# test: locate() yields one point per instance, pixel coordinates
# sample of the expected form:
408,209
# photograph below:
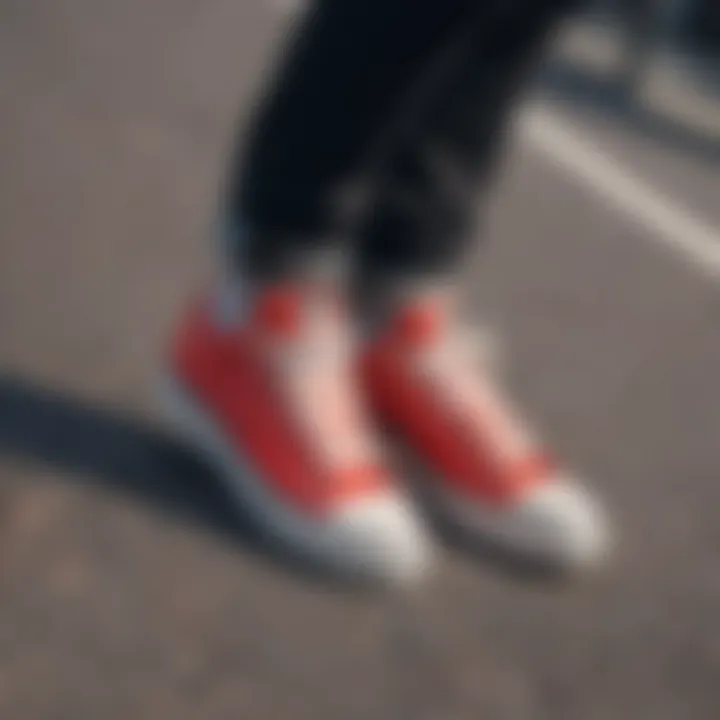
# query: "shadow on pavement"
122,454
567,83
138,460
128,457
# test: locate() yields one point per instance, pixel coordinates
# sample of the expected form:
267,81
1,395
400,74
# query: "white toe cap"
380,538
565,524
558,522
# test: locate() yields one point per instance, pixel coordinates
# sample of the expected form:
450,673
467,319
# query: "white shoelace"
318,378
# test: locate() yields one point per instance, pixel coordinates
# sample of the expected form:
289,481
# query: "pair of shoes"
285,397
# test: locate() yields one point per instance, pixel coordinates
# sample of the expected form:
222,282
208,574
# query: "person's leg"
490,474
426,207
348,70
266,368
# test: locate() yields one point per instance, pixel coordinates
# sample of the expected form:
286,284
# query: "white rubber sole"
378,539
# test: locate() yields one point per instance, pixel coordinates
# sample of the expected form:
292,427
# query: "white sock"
230,295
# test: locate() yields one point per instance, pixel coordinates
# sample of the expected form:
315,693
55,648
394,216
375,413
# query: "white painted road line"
658,214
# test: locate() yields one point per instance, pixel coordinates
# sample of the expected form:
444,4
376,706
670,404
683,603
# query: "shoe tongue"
293,312
422,323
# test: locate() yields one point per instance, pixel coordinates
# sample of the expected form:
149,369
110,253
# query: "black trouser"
410,96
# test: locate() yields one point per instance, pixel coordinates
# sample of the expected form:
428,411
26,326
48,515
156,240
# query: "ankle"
402,301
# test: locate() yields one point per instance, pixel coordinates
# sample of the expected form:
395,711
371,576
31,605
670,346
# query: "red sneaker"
490,477
272,400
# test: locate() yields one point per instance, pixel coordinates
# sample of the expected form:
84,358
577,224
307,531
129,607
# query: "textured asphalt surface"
128,589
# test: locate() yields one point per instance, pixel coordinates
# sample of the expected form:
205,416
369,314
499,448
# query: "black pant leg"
431,186
343,77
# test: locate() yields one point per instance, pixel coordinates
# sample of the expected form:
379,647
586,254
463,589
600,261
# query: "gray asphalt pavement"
128,588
